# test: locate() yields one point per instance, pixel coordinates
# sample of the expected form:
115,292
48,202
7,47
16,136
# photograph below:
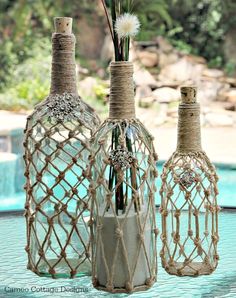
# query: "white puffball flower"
127,25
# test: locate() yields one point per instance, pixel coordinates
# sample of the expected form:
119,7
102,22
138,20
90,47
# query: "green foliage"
154,17
193,26
29,82
100,92
202,24
25,47
230,68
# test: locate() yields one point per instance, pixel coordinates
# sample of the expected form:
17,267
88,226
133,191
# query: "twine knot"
51,271
129,287
149,282
73,272
119,233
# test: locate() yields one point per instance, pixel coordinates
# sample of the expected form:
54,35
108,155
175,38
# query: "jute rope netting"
123,169
189,205
56,157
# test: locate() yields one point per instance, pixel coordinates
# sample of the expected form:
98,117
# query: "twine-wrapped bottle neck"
63,72
189,128
121,105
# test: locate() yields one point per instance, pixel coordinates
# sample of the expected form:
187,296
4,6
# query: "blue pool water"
227,185
227,190
14,276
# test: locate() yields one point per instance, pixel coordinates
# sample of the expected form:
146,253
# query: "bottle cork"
188,94
63,25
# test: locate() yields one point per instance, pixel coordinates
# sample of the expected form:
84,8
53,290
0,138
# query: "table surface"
14,275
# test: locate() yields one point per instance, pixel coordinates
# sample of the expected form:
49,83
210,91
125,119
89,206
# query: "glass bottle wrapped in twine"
189,191
123,169
57,147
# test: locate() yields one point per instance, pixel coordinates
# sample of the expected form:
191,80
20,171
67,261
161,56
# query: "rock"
146,102
196,59
229,80
152,49
166,59
146,44
231,95
223,92
87,86
164,45
81,70
167,83
182,71
142,92
173,112
143,77
144,96
209,90
166,95
148,59
230,107
218,119
213,73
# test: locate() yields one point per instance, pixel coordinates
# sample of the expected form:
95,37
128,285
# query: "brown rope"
189,131
122,91
63,73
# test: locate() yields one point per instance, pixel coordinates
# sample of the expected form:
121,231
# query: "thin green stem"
122,54
119,195
116,39
111,170
128,5
127,42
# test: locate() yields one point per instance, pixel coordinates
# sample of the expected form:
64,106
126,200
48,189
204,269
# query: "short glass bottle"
189,207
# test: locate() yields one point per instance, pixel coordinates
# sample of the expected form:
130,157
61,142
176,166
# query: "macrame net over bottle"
123,169
56,157
189,207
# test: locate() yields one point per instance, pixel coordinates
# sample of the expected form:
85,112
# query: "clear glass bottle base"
62,269
192,269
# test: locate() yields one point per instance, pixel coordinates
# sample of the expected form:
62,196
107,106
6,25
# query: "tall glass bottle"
123,167
189,199
57,148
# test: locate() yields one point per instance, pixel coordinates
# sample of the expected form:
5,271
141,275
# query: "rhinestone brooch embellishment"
187,179
63,106
121,158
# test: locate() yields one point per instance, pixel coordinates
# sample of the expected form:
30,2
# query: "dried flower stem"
108,20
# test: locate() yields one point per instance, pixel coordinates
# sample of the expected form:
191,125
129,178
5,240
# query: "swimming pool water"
226,198
13,273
